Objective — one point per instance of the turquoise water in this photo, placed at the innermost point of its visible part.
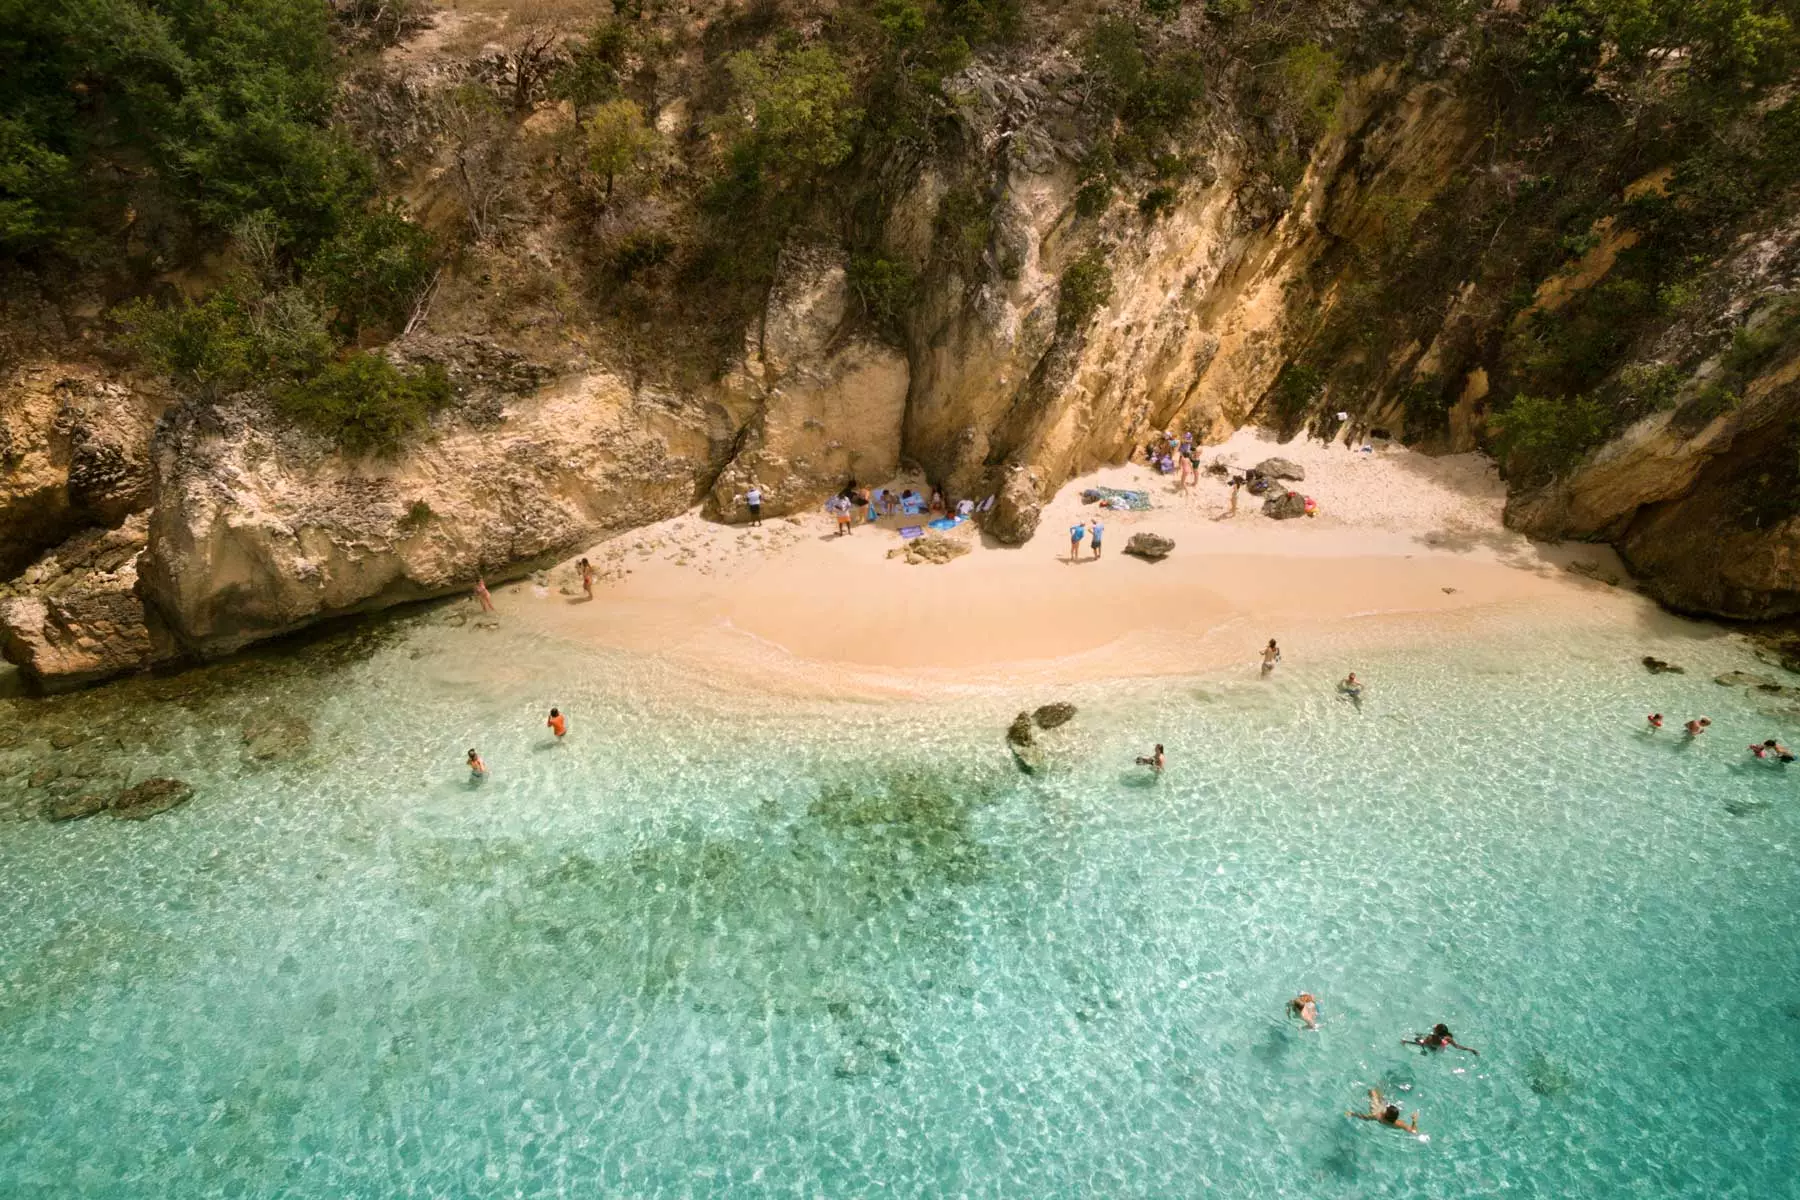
(726, 944)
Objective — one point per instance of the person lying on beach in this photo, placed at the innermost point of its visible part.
(1773, 749)
(1381, 1112)
(477, 768)
(1698, 726)
(1153, 761)
(1656, 720)
(1437, 1039)
(1306, 1008)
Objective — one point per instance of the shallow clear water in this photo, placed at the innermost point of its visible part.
(722, 944)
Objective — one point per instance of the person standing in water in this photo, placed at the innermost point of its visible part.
(477, 769)
(587, 577)
(558, 723)
(1153, 761)
(1306, 1007)
(1077, 531)
(1773, 749)
(1698, 726)
(481, 594)
(1270, 656)
(1094, 533)
(1383, 1113)
(1656, 721)
(1438, 1039)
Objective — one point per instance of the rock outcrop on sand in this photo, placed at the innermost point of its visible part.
(1150, 547)
(1284, 506)
(1280, 468)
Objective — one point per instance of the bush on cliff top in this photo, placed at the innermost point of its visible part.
(366, 404)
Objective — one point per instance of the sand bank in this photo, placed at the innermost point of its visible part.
(1403, 547)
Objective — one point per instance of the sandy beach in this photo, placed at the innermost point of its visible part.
(1402, 546)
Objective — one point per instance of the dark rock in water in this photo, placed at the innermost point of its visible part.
(151, 797)
(275, 738)
(1281, 468)
(1051, 715)
(10, 736)
(1284, 505)
(1744, 679)
(62, 739)
(1030, 758)
(42, 776)
(1150, 547)
(72, 807)
(1657, 666)
(1019, 732)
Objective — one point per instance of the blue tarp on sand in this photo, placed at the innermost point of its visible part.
(1118, 498)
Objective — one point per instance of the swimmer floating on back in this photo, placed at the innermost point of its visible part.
(1437, 1039)
(1383, 1113)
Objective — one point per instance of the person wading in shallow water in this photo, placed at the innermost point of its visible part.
(1381, 1112)
(481, 594)
(1153, 761)
(558, 724)
(1270, 656)
(477, 769)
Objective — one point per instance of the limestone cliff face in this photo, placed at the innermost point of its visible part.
(258, 531)
(74, 452)
(1704, 508)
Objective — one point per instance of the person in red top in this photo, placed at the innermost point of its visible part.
(558, 723)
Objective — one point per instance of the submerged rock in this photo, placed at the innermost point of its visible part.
(1020, 733)
(153, 796)
(1050, 716)
(1032, 750)
(1657, 666)
(275, 738)
(1151, 547)
(1743, 679)
(75, 807)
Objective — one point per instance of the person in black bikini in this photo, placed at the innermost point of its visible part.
(1437, 1039)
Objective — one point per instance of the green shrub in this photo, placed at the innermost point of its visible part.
(964, 226)
(1309, 88)
(1649, 387)
(372, 273)
(886, 289)
(1162, 10)
(1084, 289)
(801, 111)
(1541, 437)
(641, 250)
(1294, 391)
(1712, 401)
(1426, 403)
(1157, 201)
(365, 404)
(417, 517)
(235, 338)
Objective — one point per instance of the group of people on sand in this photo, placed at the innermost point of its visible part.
(1768, 750)
(1172, 455)
(1305, 1006)
(1092, 530)
(558, 725)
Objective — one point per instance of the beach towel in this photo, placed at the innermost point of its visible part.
(946, 523)
(911, 532)
(1118, 498)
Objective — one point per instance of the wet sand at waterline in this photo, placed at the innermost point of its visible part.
(1403, 545)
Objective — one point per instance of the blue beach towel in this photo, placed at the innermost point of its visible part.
(910, 532)
(945, 523)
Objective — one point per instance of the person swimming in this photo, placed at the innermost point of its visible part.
(1698, 726)
(1656, 720)
(1153, 761)
(558, 724)
(1772, 749)
(1383, 1113)
(477, 769)
(1306, 1007)
(1437, 1039)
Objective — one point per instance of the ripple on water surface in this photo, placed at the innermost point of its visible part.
(722, 943)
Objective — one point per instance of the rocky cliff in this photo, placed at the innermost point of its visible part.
(1103, 232)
